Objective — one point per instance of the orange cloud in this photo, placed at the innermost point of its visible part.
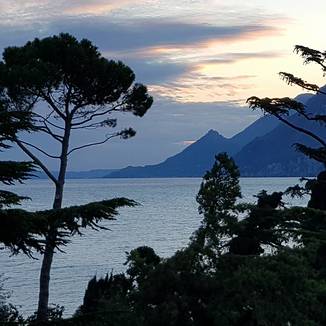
(186, 142)
(95, 8)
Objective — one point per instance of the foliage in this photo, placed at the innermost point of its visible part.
(72, 220)
(19, 229)
(8, 313)
(55, 314)
(57, 86)
(283, 108)
(224, 280)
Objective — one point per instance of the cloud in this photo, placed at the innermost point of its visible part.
(186, 142)
(168, 44)
(233, 57)
(158, 50)
(88, 7)
(131, 35)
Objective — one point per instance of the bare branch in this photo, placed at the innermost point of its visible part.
(94, 144)
(39, 149)
(36, 160)
(50, 101)
(124, 134)
(91, 117)
(305, 131)
(84, 114)
(279, 107)
(48, 131)
(104, 123)
(47, 120)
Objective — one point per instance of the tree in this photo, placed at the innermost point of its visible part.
(20, 230)
(282, 109)
(66, 85)
(221, 277)
(311, 222)
(217, 198)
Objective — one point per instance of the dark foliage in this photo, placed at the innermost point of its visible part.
(221, 277)
(19, 229)
(55, 86)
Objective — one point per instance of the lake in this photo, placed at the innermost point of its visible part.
(165, 220)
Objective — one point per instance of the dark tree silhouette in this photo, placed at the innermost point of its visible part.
(221, 278)
(66, 85)
(282, 108)
(19, 229)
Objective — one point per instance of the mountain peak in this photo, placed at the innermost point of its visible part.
(213, 132)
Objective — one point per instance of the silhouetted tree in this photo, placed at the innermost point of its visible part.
(282, 108)
(20, 230)
(66, 85)
(217, 198)
(221, 278)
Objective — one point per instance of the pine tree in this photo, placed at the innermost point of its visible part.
(67, 86)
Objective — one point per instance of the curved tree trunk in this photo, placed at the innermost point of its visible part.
(43, 303)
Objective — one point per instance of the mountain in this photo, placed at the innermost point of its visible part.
(261, 139)
(273, 154)
(258, 128)
(192, 161)
(198, 157)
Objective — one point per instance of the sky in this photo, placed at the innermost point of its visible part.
(200, 59)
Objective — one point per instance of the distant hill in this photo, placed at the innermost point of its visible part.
(91, 174)
(261, 149)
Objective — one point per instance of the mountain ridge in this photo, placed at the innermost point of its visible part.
(198, 157)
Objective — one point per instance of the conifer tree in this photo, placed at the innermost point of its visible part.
(283, 108)
(66, 85)
(19, 229)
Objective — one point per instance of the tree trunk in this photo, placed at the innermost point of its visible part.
(43, 303)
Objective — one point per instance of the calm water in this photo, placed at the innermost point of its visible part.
(165, 220)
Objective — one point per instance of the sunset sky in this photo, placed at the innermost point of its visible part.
(200, 60)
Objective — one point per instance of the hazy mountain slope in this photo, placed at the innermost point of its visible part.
(258, 128)
(192, 161)
(263, 125)
(91, 174)
(273, 154)
(197, 158)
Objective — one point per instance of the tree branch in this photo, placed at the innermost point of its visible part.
(291, 79)
(47, 120)
(103, 123)
(311, 55)
(36, 160)
(49, 100)
(90, 118)
(39, 149)
(305, 131)
(94, 144)
(48, 131)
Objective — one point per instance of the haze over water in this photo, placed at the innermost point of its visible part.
(165, 220)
